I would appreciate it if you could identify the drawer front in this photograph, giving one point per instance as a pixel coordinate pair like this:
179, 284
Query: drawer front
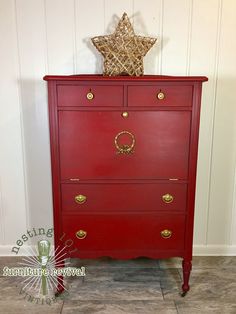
160, 96
123, 197
89, 95
90, 143
125, 232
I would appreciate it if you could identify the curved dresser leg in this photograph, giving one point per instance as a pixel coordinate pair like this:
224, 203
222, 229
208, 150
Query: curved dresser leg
187, 266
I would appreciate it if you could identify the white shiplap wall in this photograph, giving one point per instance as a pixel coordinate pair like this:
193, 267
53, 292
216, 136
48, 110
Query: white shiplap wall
195, 37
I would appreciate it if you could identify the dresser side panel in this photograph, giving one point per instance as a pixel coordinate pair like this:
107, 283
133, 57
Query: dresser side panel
192, 170
55, 162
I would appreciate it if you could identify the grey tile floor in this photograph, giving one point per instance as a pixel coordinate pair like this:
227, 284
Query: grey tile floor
134, 286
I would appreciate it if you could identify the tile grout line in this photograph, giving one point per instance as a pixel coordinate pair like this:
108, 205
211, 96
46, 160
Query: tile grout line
161, 287
162, 290
62, 307
176, 307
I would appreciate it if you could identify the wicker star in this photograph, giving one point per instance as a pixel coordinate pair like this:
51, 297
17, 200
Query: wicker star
123, 51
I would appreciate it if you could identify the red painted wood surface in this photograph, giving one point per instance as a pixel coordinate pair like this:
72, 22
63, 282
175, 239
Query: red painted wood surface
123, 197
76, 95
124, 214
148, 95
87, 148
130, 79
139, 231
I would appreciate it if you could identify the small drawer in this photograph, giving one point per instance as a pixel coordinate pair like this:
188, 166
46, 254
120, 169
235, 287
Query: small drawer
89, 95
123, 197
139, 232
142, 96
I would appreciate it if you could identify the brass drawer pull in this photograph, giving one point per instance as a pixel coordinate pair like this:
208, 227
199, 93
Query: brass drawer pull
167, 198
81, 234
90, 96
166, 234
160, 95
125, 148
80, 199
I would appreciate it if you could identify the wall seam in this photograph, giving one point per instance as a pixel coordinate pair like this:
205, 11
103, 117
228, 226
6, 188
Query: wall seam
233, 212
19, 91
189, 40
75, 61
46, 39
161, 19
133, 12
215, 79
104, 15
2, 216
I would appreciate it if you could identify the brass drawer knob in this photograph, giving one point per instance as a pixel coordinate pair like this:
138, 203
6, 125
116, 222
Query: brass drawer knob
167, 198
160, 95
166, 233
81, 234
125, 114
90, 96
80, 199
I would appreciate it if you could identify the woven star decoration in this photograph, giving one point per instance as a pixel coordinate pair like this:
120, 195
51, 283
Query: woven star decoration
123, 51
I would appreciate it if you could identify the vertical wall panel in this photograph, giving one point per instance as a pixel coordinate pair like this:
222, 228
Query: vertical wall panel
176, 25
204, 57
89, 17
224, 145
60, 29
147, 23
13, 211
48, 36
114, 11
2, 222
233, 217
33, 66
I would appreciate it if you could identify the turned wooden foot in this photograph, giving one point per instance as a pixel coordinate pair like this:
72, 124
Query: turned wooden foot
187, 266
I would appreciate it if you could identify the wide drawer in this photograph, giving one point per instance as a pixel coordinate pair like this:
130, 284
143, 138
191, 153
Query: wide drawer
160, 95
125, 232
123, 197
89, 95
90, 144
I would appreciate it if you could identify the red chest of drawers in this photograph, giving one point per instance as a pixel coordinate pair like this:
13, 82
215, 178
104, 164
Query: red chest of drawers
124, 157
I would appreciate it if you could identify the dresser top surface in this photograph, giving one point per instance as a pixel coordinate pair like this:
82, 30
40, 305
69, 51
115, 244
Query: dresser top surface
146, 78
